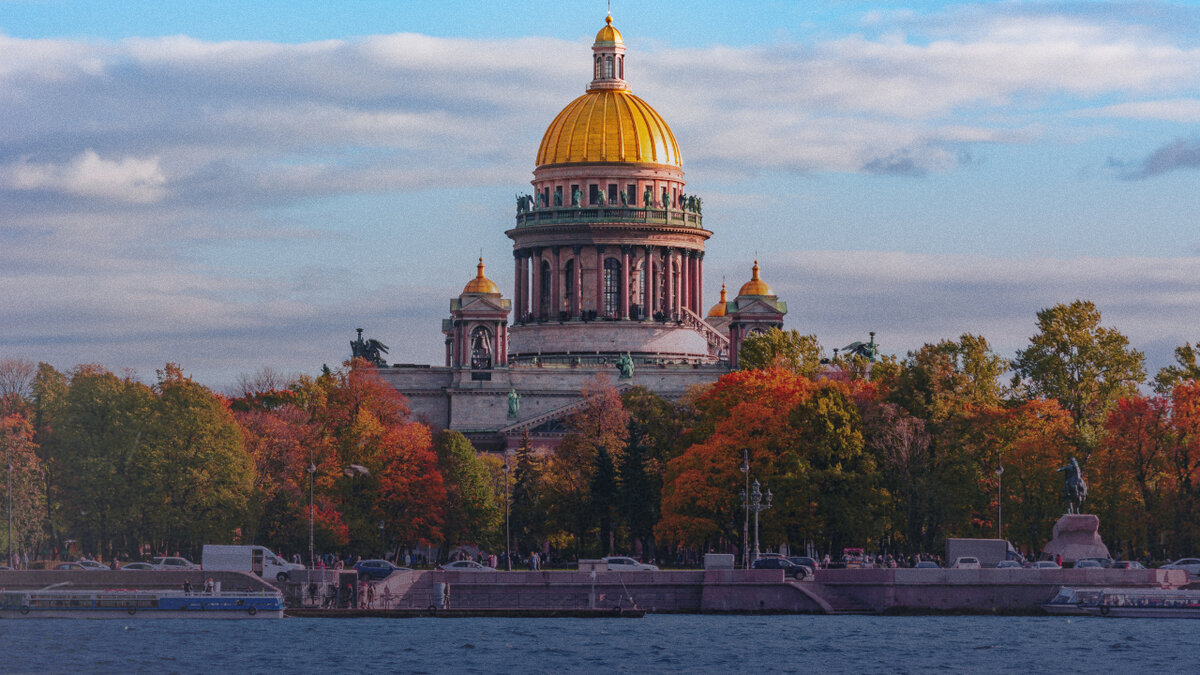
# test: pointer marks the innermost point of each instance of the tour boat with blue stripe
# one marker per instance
(126, 604)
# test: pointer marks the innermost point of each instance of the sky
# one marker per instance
(233, 185)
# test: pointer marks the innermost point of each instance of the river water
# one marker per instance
(656, 643)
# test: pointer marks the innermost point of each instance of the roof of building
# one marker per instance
(481, 284)
(608, 34)
(755, 286)
(719, 308)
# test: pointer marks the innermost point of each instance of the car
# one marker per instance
(134, 566)
(1046, 565)
(789, 568)
(92, 564)
(620, 563)
(1192, 565)
(810, 563)
(1008, 565)
(927, 565)
(170, 562)
(465, 566)
(1104, 562)
(69, 566)
(4, 567)
(966, 563)
(1128, 565)
(377, 569)
(1088, 564)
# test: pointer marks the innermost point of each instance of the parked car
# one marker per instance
(1192, 565)
(92, 564)
(377, 569)
(69, 566)
(134, 566)
(173, 563)
(465, 566)
(1104, 562)
(966, 562)
(810, 563)
(789, 568)
(1088, 564)
(619, 563)
(1046, 565)
(927, 565)
(1008, 565)
(1128, 565)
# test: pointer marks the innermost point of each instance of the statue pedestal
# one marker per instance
(1076, 536)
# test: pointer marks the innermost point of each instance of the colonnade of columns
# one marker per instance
(673, 278)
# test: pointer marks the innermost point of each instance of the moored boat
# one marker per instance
(1073, 601)
(1148, 603)
(151, 604)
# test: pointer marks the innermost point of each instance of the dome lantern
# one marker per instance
(608, 60)
(755, 286)
(481, 284)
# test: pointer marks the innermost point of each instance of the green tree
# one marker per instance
(603, 497)
(28, 486)
(472, 514)
(1083, 365)
(1187, 369)
(526, 517)
(777, 348)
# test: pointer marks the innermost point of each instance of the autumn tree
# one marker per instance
(527, 518)
(1126, 477)
(16, 380)
(473, 515)
(777, 348)
(1185, 368)
(1081, 364)
(27, 484)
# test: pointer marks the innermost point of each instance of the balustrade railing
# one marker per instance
(605, 214)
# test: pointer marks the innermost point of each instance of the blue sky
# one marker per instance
(232, 185)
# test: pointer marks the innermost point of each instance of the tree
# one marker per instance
(939, 381)
(1187, 369)
(527, 518)
(472, 512)
(1127, 475)
(1083, 365)
(603, 497)
(28, 486)
(777, 348)
(16, 380)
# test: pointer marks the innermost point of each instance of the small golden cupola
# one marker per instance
(481, 284)
(755, 286)
(719, 308)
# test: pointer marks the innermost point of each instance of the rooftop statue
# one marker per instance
(576, 198)
(625, 365)
(867, 350)
(1075, 488)
(514, 403)
(368, 350)
(648, 197)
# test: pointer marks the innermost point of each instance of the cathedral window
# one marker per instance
(608, 67)
(593, 194)
(569, 301)
(481, 348)
(612, 287)
(546, 284)
(612, 193)
(596, 70)
(621, 67)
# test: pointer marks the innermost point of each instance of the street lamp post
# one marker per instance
(758, 505)
(746, 510)
(999, 503)
(507, 533)
(8, 469)
(312, 471)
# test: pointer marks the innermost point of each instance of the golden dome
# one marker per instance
(719, 308)
(609, 126)
(608, 34)
(481, 284)
(755, 286)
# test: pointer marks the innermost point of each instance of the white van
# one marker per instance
(257, 559)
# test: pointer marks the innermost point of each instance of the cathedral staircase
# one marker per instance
(717, 343)
(557, 413)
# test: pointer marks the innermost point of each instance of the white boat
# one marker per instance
(1148, 603)
(1073, 601)
(148, 604)
(1156, 603)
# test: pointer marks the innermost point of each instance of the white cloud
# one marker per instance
(127, 179)
(1184, 110)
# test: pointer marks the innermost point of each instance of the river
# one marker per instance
(656, 643)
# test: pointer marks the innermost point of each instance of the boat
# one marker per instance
(1073, 601)
(151, 604)
(1154, 603)
(1148, 603)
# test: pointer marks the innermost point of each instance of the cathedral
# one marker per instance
(608, 256)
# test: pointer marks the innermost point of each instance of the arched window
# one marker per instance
(481, 348)
(547, 284)
(621, 67)
(608, 67)
(612, 287)
(596, 70)
(569, 301)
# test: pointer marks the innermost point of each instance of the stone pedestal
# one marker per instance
(1076, 536)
